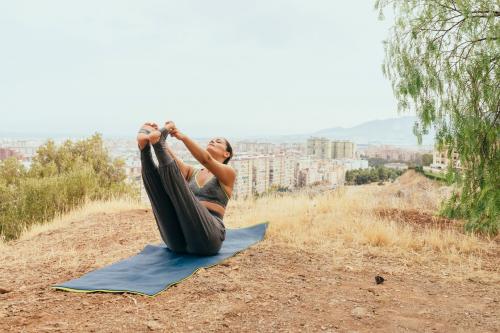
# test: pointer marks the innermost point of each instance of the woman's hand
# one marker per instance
(169, 125)
(173, 131)
(177, 134)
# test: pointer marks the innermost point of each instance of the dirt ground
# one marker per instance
(267, 288)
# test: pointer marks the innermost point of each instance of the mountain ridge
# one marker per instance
(391, 131)
(397, 131)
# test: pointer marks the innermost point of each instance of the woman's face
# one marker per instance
(217, 146)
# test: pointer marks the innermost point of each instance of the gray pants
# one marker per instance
(185, 225)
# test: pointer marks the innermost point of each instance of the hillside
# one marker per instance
(396, 131)
(390, 131)
(314, 271)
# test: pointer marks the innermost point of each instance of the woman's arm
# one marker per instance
(225, 173)
(186, 169)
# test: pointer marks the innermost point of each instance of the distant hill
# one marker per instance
(392, 131)
(395, 131)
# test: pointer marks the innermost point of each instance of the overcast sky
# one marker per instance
(214, 67)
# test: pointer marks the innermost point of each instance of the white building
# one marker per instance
(352, 164)
(261, 171)
(243, 185)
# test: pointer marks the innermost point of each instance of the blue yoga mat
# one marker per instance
(156, 267)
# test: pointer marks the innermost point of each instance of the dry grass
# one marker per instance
(91, 207)
(345, 223)
(83, 239)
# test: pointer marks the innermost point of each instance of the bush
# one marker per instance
(365, 176)
(59, 180)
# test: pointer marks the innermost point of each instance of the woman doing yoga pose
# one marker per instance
(188, 203)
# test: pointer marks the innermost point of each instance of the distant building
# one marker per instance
(351, 164)
(441, 161)
(324, 148)
(261, 171)
(310, 171)
(393, 153)
(396, 166)
(256, 174)
(254, 147)
(5, 153)
(319, 148)
(343, 149)
(244, 176)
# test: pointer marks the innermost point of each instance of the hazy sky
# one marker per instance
(214, 67)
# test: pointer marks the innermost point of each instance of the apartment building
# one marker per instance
(261, 173)
(440, 159)
(282, 170)
(343, 149)
(255, 147)
(323, 148)
(258, 173)
(320, 148)
(352, 164)
(6, 153)
(310, 171)
(243, 186)
(392, 153)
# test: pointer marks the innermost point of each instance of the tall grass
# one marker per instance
(38, 200)
(83, 211)
(347, 217)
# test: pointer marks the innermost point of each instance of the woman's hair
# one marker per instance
(230, 150)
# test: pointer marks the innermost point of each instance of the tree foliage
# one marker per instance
(442, 59)
(60, 179)
(366, 176)
(51, 160)
(11, 171)
(426, 159)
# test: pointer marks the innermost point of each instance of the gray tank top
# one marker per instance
(212, 190)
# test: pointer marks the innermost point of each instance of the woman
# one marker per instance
(188, 203)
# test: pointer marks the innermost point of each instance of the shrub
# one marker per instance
(60, 179)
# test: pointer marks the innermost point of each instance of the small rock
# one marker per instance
(154, 325)
(379, 279)
(4, 291)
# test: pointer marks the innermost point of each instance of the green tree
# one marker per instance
(382, 173)
(376, 161)
(60, 179)
(11, 171)
(442, 59)
(51, 160)
(426, 159)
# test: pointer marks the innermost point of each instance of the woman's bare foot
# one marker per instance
(143, 134)
(161, 133)
(154, 136)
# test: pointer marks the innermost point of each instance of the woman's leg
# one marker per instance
(163, 209)
(202, 231)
